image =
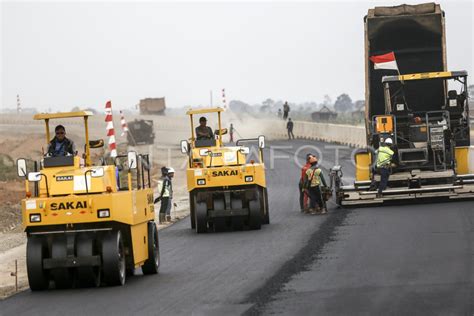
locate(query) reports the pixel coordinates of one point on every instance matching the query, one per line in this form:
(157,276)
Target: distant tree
(359,105)
(268,102)
(343,103)
(327,101)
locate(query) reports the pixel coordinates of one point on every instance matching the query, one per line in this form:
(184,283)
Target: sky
(58,55)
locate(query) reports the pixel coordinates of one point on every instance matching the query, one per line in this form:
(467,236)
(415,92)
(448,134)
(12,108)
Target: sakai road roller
(85,224)
(420,105)
(226,184)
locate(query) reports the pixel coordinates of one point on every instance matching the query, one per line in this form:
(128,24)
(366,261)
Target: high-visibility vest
(384,156)
(314,177)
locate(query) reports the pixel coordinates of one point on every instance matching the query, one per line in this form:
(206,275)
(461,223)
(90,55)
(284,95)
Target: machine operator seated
(61,146)
(204,134)
(203,131)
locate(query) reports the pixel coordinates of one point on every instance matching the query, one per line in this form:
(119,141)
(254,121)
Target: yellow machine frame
(71,200)
(219,176)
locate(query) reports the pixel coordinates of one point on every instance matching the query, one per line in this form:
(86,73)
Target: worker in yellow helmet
(314,183)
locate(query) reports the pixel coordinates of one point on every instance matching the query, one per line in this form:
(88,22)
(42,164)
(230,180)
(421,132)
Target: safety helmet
(170,170)
(389,141)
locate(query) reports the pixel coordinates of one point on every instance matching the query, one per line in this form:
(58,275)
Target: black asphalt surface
(416,259)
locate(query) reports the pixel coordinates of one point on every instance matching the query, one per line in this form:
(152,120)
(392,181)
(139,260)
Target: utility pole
(224,103)
(18,104)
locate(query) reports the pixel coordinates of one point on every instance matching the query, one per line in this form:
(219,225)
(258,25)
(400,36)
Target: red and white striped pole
(223,99)
(110,129)
(124,124)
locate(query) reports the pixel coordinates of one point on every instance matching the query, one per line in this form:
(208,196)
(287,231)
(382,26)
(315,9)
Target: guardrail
(333,133)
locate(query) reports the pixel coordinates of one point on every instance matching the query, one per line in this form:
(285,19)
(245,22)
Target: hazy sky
(64,54)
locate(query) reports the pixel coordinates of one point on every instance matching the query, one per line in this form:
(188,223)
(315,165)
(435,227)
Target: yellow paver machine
(86,227)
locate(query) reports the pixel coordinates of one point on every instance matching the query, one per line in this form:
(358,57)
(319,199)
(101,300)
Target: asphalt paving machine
(423,108)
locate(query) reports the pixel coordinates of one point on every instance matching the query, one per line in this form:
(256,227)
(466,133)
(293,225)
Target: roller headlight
(103,213)
(248,178)
(201,182)
(35,218)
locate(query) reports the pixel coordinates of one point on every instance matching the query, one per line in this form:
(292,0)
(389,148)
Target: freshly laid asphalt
(411,259)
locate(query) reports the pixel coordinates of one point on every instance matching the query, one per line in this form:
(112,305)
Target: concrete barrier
(333,133)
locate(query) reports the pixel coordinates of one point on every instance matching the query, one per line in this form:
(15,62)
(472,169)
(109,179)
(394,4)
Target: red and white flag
(110,129)
(124,124)
(386,61)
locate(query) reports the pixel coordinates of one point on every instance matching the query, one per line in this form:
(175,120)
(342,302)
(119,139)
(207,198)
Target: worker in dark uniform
(286,110)
(383,164)
(60,145)
(203,131)
(289,127)
(231,132)
(314,181)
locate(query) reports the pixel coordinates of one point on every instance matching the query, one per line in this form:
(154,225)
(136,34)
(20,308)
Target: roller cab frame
(87,224)
(226,184)
(431,135)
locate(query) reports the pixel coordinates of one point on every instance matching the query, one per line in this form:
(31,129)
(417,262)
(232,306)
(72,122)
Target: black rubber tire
(219,223)
(255,214)
(113,259)
(192,206)
(36,251)
(86,246)
(63,277)
(201,217)
(266,208)
(152,264)
(237,221)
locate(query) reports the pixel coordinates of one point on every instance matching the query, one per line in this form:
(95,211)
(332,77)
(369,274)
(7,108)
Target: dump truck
(152,106)
(422,107)
(84,226)
(140,132)
(226,184)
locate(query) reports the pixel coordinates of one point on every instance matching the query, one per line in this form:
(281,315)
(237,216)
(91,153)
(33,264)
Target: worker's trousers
(384,175)
(315,197)
(303,196)
(165,208)
(290,134)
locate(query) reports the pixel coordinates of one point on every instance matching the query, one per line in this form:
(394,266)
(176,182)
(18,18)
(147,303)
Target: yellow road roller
(87,224)
(226,184)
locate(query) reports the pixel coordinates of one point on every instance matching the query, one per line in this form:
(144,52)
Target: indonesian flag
(386,61)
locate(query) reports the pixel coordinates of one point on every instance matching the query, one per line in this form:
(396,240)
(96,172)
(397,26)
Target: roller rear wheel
(87,276)
(237,221)
(153,262)
(192,206)
(113,258)
(36,251)
(219,223)
(265,207)
(255,214)
(63,277)
(201,217)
